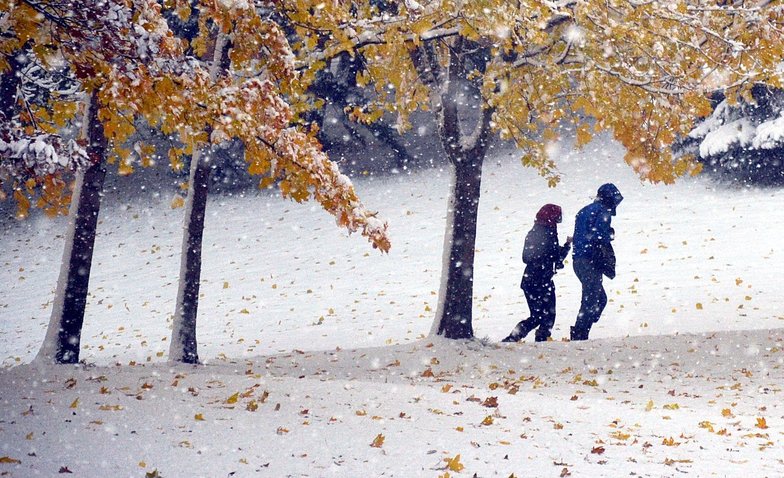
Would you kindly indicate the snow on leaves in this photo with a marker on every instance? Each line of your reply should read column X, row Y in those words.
column 640, row 70
column 126, row 51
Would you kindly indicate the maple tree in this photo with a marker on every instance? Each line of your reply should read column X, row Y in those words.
column 519, row 70
column 129, row 65
column 97, row 45
column 238, row 94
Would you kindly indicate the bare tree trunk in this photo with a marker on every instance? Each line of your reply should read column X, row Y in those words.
column 466, row 153
column 454, row 315
column 183, row 346
column 63, row 335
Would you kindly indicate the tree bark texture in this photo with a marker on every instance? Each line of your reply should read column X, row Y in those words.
column 71, row 297
column 466, row 153
column 456, row 318
column 184, row 346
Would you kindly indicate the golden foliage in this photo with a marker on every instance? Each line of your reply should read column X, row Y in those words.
column 193, row 100
column 642, row 70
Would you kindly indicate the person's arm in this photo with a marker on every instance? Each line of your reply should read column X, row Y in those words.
column 564, row 250
column 603, row 231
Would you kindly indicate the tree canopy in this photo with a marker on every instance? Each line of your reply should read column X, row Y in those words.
column 641, row 69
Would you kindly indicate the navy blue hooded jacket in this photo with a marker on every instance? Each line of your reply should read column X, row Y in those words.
column 592, row 230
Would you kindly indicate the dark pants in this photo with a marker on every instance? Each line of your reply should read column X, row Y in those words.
column 541, row 305
column 593, row 301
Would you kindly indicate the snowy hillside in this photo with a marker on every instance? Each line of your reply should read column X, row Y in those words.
column 317, row 362
column 278, row 275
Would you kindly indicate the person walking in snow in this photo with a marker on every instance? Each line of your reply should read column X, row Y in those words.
column 594, row 256
column 542, row 257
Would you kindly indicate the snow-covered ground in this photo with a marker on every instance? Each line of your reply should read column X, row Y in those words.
column 315, row 345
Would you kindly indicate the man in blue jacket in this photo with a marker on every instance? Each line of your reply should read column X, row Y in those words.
column 594, row 256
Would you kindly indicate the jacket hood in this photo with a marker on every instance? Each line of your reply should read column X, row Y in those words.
column 549, row 215
column 609, row 195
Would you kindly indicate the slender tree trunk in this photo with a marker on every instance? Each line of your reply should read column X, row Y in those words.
column 454, row 317
column 63, row 335
column 183, row 346
column 466, row 153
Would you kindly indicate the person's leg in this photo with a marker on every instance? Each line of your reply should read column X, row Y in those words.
column 526, row 325
column 593, row 299
column 547, row 311
column 601, row 301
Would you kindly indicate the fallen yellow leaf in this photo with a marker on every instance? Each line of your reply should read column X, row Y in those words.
column 619, row 435
column 378, row 442
column 454, row 463
column 707, row 425
column 177, row 202
column 670, row 442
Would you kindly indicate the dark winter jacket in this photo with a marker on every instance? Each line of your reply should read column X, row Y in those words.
column 593, row 233
column 542, row 254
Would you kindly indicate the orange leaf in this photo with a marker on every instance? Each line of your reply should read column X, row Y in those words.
column 177, row 202
column 378, row 442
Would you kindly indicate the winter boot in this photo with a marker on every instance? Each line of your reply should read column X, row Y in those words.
column 542, row 337
column 577, row 334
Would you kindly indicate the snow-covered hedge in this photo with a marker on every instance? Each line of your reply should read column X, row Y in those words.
column 743, row 142
column 40, row 155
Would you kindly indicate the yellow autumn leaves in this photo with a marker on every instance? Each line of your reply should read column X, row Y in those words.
column 643, row 71
column 200, row 103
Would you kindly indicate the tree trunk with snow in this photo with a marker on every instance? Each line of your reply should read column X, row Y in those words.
column 184, row 346
column 466, row 153
column 454, row 314
column 63, row 335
